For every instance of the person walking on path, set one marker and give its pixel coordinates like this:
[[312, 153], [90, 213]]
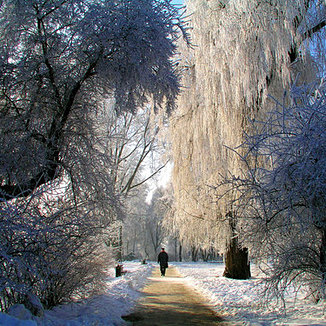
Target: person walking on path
[[163, 259]]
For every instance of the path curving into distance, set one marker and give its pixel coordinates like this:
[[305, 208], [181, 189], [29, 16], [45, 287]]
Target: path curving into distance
[[168, 301]]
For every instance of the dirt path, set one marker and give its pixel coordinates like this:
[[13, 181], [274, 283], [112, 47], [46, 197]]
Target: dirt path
[[168, 301]]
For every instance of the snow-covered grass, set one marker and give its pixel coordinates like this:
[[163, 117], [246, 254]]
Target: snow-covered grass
[[240, 300], [105, 310], [236, 300]]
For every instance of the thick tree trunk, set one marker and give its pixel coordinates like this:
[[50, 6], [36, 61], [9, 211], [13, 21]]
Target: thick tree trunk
[[322, 256], [237, 264]]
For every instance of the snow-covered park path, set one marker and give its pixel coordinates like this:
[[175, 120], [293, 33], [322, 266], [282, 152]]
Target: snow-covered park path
[[169, 301]]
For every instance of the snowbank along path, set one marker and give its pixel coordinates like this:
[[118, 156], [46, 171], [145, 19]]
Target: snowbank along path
[[169, 301]]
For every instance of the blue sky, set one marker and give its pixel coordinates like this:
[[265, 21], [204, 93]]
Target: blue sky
[[177, 2]]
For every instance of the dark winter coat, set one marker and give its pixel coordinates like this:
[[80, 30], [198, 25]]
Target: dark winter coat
[[163, 258]]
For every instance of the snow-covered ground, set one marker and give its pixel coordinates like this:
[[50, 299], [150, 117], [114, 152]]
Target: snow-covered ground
[[236, 300], [239, 300], [105, 310]]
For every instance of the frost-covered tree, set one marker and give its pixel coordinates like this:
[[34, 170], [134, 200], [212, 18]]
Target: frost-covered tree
[[49, 238], [244, 51], [58, 57], [282, 202], [131, 146], [129, 142], [133, 226]]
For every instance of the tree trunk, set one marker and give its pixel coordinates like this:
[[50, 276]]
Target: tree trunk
[[204, 254], [237, 264], [322, 256], [180, 252], [194, 253], [119, 255], [175, 248]]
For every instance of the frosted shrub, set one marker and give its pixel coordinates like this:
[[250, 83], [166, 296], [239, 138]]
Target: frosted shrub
[[51, 250], [283, 196]]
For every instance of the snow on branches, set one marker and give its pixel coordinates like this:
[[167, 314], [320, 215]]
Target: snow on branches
[[57, 58], [245, 51], [282, 201]]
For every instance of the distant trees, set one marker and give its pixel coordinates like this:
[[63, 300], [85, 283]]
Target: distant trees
[[245, 51], [130, 142], [144, 233], [156, 212], [59, 61], [133, 237]]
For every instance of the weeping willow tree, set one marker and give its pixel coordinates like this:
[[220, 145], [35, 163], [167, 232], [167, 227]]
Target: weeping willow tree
[[243, 51]]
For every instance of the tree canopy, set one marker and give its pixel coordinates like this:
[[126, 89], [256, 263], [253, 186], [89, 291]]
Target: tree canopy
[[58, 57], [245, 51]]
